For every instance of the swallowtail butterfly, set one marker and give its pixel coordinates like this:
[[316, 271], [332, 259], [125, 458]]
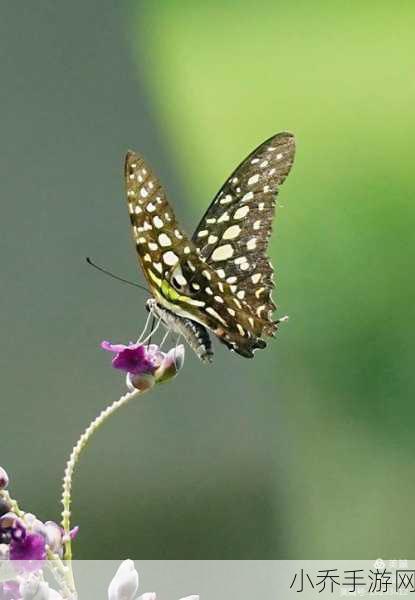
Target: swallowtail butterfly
[[221, 279]]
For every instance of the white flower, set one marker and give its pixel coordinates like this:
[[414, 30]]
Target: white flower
[[124, 585]]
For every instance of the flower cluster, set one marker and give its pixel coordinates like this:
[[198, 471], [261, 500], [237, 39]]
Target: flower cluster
[[23, 537], [145, 365]]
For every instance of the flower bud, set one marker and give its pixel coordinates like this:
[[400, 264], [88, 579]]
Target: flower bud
[[171, 364], [4, 479], [5, 506], [143, 382], [53, 536], [124, 585]]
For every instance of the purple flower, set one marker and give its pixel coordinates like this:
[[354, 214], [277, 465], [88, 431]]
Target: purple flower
[[145, 365], [134, 358], [30, 551]]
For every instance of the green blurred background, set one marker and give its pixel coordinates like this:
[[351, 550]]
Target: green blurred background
[[306, 452]]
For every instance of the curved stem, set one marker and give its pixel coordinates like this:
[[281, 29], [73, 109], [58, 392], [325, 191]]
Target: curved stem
[[74, 458]]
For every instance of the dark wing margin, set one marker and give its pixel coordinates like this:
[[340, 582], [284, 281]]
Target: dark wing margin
[[233, 235]]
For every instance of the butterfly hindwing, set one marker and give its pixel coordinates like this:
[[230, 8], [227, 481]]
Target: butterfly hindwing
[[233, 234]]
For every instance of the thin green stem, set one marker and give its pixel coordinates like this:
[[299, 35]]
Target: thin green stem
[[74, 458]]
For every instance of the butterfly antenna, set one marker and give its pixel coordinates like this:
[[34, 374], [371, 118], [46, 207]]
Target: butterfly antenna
[[106, 272]]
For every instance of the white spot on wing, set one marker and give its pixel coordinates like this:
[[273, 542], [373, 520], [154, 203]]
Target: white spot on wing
[[164, 240], [222, 252], [224, 217], [240, 329], [170, 258], [157, 222], [232, 232], [247, 197], [241, 212], [213, 312], [251, 244], [180, 279], [253, 179]]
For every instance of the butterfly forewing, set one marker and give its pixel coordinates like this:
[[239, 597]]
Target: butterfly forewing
[[233, 234], [178, 277], [157, 236]]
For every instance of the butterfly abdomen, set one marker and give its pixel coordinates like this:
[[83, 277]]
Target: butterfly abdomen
[[194, 333]]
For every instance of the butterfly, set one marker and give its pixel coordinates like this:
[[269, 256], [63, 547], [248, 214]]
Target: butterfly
[[221, 279]]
